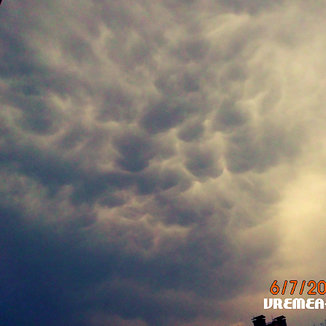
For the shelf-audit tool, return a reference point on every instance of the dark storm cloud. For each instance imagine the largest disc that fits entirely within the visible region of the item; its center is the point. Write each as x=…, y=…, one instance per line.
x=251, y=6
x=166, y=114
x=78, y=49
x=157, y=179
x=191, y=131
x=176, y=82
x=117, y=105
x=138, y=141
x=31, y=161
x=260, y=149
x=202, y=163
x=192, y=49
x=17, y=60
x=135, y=150
x=229, y=116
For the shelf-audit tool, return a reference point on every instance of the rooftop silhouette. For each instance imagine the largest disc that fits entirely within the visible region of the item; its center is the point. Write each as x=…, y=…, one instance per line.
x=261, y=321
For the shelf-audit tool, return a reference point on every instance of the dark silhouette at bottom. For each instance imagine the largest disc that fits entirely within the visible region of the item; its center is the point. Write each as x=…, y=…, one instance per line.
x=261, y=321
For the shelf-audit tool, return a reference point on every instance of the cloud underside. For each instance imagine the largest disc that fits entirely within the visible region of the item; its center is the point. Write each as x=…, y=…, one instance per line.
x=149, y=153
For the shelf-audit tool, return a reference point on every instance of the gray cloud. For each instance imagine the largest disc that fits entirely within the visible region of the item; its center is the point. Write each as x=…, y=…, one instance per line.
x=166, y=114
x=135, y=150
x=148, y=154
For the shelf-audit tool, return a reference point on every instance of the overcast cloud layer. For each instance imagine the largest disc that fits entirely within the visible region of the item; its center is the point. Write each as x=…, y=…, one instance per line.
x=162, y=162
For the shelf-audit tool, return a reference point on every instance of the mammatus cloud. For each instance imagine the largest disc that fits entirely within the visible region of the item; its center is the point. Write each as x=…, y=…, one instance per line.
x=153, y=156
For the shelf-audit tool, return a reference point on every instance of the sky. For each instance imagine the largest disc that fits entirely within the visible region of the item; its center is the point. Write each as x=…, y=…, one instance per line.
x=162, y=162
